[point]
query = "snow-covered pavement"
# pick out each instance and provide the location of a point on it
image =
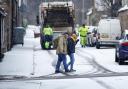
(18, 61)
(95, 68)
(79, 83)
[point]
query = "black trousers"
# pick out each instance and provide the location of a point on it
(48, 38)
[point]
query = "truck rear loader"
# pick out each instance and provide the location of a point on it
(59, 15)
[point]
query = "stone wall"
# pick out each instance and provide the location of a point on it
(10, 22)
(123, 16)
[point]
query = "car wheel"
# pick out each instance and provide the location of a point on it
(91, 43)
(97, 45)
(116, 59)
(116, 56)
(120, 61)
(88, 41)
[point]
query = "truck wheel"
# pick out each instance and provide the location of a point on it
(97, 45)
(42, 45)
(22, 44)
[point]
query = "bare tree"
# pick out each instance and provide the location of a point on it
(111, 6)
(106, 4)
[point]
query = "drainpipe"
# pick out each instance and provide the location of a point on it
(16, 13)
(111, 1)
(0, 33)
(83, 12)
(12, 26)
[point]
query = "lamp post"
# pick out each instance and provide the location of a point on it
(94, 7)
(83, 12)
(111, 9)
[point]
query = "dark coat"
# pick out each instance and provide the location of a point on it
(71, 45)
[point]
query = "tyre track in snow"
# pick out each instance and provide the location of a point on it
(99, 68)
(103, 84)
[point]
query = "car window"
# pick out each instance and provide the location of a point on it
(127, 37)
(122, 36)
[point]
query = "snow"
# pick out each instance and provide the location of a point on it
(35, 29)
(99, 5)
(57, 3)
(18, 61)
(31, 61)
(80, 83)
(89, 12)
(123, 8)
(42, 62)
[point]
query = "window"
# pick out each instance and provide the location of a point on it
(127, 37)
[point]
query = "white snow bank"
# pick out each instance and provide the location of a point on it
(123, 8)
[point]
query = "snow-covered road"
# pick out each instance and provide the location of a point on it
(95, 68)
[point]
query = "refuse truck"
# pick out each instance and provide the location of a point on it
(59, 16)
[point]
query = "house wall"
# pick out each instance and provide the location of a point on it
(11, 8)
(123, 16)
(2, 20)
(124, 2)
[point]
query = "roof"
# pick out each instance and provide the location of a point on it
(89, 12)
(123, 8)
(126, 31)
(56, 3)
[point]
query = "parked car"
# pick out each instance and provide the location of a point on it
(109, 32)
(91, 36)
(121, 53)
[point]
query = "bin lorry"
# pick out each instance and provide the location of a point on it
(59, 15)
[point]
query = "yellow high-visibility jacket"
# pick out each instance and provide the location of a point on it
(83, 31)
(48, 31)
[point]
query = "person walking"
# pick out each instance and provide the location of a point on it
(61, 51)
(71, 42)
(83, 35)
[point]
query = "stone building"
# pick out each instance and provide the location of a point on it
(95, 13)
(2, 20)
(9, 9)
(123, 15)
(98, 11)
